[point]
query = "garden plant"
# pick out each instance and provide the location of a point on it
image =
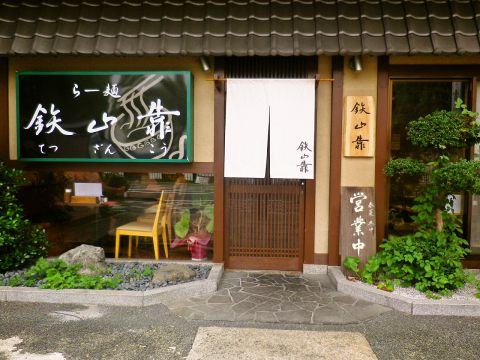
(429, 259)
(21, 242)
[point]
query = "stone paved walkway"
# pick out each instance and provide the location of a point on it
(286, 298)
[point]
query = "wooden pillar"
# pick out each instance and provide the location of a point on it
(219, 147)
(335, 163)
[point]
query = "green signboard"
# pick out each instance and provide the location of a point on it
(105, 116)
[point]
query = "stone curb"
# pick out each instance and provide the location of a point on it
(446, 307)
(166, 295)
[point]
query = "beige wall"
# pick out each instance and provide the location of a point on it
(203, 90)
(322, 173)
(359, 171)
(434, 60)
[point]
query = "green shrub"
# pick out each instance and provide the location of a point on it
(430, 259)
(21, 243)
(427, 260)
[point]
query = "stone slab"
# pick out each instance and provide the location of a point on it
(445, 309)
(216, 343)
(315, 269)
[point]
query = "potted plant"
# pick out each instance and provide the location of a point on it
(194, 229)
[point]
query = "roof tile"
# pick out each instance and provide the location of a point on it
(215, 27)
(349, 27)
(348, 10)
(420, 45)
(83, 45)
(238, 12)
(237, 28)
(46, 28)
(465, 26)
(438, 10)
(467, 44)
(42, 45)
(372, 27)
(259, 27)
(373, 45)
(216, 11)
(90, 11)
(63, 45)
(442, 27)
(395, 27)
(418, 26)
(6, 45)
(326, 11)
(396, 45)
(87, 28)
(9, 11)
(21, 45)
(303, 10)
(328, 45)
(393, 10)
(326, 27)
(240, 27)
(350, 44)
(7, 29)
(304, 45)
(281, 10)
(370, 10)
(25, 29)
(303, 27)
(443, 44)
(415, 9)
(281, 45)
(281, 27)
(67, 29)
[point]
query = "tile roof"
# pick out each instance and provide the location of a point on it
(239, 27)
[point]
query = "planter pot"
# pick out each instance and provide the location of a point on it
(196, 244)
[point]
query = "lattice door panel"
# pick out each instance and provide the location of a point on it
(264, 223)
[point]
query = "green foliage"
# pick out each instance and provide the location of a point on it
(21, 243)
(202, 219)
(148, 271)
(57, 274)
(351, 263)
(427, 260)
(387, 285)
(458, 177)
(406, 166)
(444, 130)
(430, 259)
(183, 225)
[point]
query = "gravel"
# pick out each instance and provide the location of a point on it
(133, 275)
(465, 294)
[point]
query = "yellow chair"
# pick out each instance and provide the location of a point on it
(136, 228)
(165, 222)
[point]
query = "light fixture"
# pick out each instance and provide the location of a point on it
(355, 63)
(204, 63)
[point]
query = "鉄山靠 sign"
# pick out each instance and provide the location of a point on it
(357, 224)
(359, 138)
(104, 116)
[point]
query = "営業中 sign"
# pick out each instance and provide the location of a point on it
(357, 224)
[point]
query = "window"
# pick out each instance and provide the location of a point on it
(107, 200)
(410, 100)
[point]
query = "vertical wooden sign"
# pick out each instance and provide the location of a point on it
(359, 135)
(357, 223)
